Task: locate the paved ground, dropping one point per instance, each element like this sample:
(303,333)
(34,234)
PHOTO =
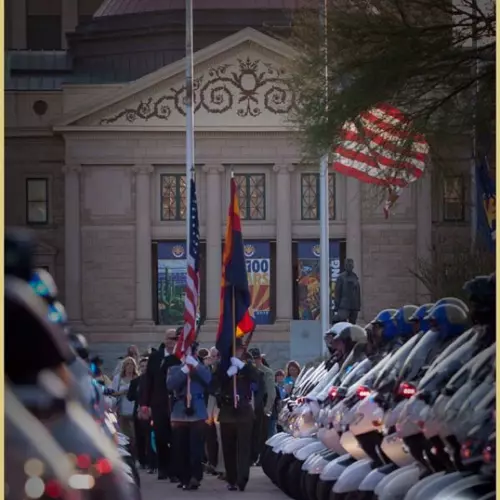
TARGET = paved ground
(258,488)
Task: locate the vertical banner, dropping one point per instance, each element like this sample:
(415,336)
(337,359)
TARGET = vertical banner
(258,262)
(308,279)
(172,273)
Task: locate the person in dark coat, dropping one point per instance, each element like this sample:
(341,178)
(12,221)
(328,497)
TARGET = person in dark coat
(141,425)
(155,401)
(236,417)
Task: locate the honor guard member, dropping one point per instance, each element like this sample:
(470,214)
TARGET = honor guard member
(236,417)
(188,417)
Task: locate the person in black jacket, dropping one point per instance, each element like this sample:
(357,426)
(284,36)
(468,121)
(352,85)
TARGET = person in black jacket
(155,401)
(141,425)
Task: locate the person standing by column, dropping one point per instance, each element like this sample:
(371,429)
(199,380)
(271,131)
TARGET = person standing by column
(188,418)
(236,417)
(155,400)
(263,411)
(347,294)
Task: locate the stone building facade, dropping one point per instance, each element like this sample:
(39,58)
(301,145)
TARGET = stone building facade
(99,178)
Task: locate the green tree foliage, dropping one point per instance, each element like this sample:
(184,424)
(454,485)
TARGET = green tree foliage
(415,54)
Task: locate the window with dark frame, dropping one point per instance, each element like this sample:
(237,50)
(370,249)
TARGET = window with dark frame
(44,24)
(37,201)
(251,195)
(309,192)
(173,197)
(454,198)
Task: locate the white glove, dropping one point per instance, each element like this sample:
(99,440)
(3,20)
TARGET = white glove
(232,371)
(237,362)
(191,361)
(185,369)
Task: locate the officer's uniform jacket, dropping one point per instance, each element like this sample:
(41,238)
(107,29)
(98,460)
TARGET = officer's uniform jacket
(177,383)
(245,377)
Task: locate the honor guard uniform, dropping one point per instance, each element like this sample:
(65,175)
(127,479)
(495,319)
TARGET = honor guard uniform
(189,414)
(236,417)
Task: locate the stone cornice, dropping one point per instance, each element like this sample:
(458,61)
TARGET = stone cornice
(71,169)
(283,168)
(213,169)
(143,169)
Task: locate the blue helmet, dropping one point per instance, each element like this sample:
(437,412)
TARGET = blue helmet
(449,319)
(401,323)
(454,301)
(44,285)
(419,317)
(57,313)
(384,320)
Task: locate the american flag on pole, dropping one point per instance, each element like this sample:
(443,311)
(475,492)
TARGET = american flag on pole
(188,336)
(381,147)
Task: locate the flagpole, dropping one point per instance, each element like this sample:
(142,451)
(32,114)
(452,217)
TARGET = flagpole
(189,140)
(324,202)
(233,313)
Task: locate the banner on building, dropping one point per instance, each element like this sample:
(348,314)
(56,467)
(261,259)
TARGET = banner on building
(258,262)
(308,279)
(172,273)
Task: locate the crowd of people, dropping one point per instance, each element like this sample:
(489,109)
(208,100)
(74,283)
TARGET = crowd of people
(180,432)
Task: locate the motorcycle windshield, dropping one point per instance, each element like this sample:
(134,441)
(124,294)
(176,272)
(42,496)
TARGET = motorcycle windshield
(436,377)
(476,369)
(321,390)
(357,372)
(462,339)
(422,354)
(395,361)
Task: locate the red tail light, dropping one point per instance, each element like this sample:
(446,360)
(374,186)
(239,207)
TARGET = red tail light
(407,390)
(488,455)
(332,393)
(362,392)
(465,450)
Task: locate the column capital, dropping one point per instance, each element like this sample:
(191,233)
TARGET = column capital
(71,169)
(213,169)
(143,169)
(283,168)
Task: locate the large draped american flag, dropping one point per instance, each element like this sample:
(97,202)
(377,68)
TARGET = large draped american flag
(188,336)
(381,147)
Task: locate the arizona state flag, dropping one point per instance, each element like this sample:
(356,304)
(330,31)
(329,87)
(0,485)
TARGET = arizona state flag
(234,286)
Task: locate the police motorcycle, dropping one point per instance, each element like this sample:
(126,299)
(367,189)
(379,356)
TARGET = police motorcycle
(390,351)
(372,420)
(306,380)
(35,466)
(473,476)
(37,355)
(465,402)
(271,454)
(348,342)
(318,481)
(86,389)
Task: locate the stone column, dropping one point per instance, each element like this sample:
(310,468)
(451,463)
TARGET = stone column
(72,243)
(353,228)
(69,19)
(213,226)
(284,283)
(424,230)
(143,281)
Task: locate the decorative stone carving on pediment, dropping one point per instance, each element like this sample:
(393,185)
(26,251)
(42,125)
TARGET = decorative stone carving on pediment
(245,87)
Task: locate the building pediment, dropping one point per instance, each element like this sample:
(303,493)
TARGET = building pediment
(239,83)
